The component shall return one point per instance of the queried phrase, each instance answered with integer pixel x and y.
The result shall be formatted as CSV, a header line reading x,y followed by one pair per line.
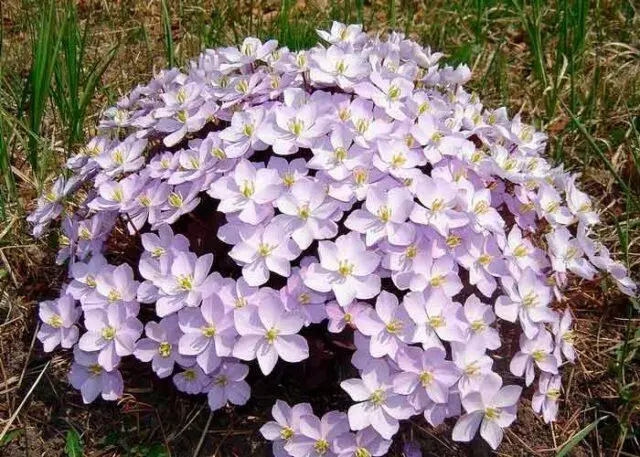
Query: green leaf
x,y
73,446
10,436
575,439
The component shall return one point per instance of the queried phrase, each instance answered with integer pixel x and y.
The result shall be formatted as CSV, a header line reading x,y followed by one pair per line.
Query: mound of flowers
x,y
357,187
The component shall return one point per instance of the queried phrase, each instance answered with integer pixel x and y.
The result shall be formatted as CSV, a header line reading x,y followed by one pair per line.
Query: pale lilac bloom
x,y
84,277
435,274
182,199
491,408
228,385
439,199
342,34
366,442
567,255
265,250
122,157
386,92
92,379
550,206
338,155
164,243
347,268
385,216
565,336
379,406
285,426
209,333
289,128
526,300
160,347
268,332
241,135
114,286
388,325
425,376
396,158
187,283
545,398
317,437
337,66
238,294
249,191
307,212
297,297
473,362
192,380
483,259
111,333
185,121
290,172
482,216
59,319
480,317
342,316
534,352
366,128
435,318
580,204
251,50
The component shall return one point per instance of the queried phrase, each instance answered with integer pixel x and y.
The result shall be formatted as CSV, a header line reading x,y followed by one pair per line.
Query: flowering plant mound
x,y
356,183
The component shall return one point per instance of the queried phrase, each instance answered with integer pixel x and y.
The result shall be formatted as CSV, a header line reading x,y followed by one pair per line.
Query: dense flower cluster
x,y
344,168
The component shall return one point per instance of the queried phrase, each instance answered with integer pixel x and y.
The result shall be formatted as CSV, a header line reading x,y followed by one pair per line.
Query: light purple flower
x,y
347,268
192,380
317,437
343,316
491,409
111,333
285,426
545,398
388,325
209,333
269,332
379,406
366,442
537,351
92,379
160,347
228,385
58,323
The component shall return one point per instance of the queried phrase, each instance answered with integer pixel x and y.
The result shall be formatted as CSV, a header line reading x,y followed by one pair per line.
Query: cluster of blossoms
x,y
341,168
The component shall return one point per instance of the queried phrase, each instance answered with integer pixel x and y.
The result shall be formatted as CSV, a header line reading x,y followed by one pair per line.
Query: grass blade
x,y
168,37
578,437
73,444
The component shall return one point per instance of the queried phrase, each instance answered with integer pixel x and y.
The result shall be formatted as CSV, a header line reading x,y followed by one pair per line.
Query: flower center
x,y
164,349
114,296
341,67
288,179
453,241
144,200
286,433
553,394
348,318
304,212
304,298
175,199
117,195
340,154
248,129
482,207
189,374
265,249
221,381
398,160
552,207
394,92
108,333
360,176
436,321
95,370
321,447
117,157
437,281
426,378
530,300
471,369
209,331
520,251
569,337
84,234
394,326
55,321
296,126
377,397
437,205
185,282
484,259
344,114
242,86
182,116
218,153
345,268
492,413
539,355
384,214
362,125
361,452
91,281
271,335
248,188
157,252
478,325
411,252
240,302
